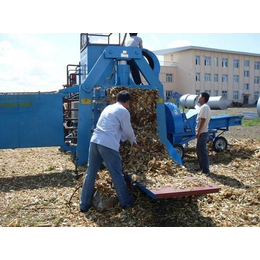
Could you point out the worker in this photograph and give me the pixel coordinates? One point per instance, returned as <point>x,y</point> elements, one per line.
<point>113,126</point>
<point>202,134</point>
<point>135,41</point>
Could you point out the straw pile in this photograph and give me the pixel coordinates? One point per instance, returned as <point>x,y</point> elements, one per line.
<point>152,167</point>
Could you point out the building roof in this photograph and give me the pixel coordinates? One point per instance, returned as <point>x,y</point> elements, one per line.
<point>186,48</point>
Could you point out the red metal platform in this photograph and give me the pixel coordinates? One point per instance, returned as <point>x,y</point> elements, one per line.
<point>168,192</point>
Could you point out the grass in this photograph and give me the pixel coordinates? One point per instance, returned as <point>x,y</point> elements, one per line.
<point>251,122</point>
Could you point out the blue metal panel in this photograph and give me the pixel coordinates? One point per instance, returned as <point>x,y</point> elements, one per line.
<point>174,119</point>
<point>31,120</point>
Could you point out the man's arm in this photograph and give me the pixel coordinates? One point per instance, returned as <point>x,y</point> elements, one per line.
<point>202,122</point>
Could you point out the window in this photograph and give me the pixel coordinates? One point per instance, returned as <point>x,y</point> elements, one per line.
<point>207,61</point>
<point>208,91</point>
<point>235,95</point>
<point>256,81</point>
<point>256,95</point>
<point>246,86</point>
<point>215,93</point>
<point>257,65</point>
<point>236,64</point>
<point>169,93</point>
<point>236,78</point>
<point>169,77</point>
<point>216,62</point>
<point>207,77</point>
<point>215,77</point>
<point>225,94</point>
<point>224,62</point>
<point>224,78</point>
<point>246,63</point>
<point>198,92</point>
<point>246,73</point>
<point>197,60</point>
<point>197,76</point>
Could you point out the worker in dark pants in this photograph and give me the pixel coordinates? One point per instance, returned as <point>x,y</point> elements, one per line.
<point>135,41</point>
<point>113,126</point>
<point>202,134</point>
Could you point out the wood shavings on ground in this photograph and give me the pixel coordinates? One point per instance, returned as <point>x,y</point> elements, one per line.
<point>35,192</point>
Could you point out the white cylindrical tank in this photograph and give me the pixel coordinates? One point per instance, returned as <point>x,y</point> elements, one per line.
<point>258,107</point>
<point>218,103</point>
<point>189,101</point>
<point>183,99</point>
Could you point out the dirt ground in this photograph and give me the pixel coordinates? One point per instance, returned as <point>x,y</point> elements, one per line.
<point>37,189</point>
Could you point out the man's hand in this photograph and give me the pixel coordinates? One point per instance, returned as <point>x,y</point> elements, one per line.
<point>138,146</point>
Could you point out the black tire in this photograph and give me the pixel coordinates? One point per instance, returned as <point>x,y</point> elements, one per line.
<point>220,144</point>
<point>180,150</point>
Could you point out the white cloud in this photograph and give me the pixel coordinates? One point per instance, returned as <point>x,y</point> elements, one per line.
<point>36,67</point>
<point>179,43</point>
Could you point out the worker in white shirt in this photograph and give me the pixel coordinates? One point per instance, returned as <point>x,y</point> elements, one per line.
<point>135,41</point>
<point>113,126</point>
<point>202,134</point>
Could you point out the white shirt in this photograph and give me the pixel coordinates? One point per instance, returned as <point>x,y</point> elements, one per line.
<point>205,112</point>
<point>114,125</point>
<point>135,41</point>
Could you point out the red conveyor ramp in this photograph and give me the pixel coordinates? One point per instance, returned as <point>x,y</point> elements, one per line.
<point>168,192</point>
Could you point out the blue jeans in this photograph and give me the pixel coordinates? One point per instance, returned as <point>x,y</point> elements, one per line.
<point>202,152</point>
<point>112,159</point>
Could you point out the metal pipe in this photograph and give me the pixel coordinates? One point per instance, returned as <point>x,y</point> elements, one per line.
<point>218,103</point>
<point>189,101</point>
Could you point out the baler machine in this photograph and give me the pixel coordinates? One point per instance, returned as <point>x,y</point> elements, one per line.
<point>67,118</point>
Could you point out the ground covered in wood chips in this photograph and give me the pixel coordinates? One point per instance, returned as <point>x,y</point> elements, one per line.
<point>37,189</point>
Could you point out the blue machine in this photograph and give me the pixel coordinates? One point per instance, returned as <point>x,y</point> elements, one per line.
<point>181,128</point>
<point>41,120</point>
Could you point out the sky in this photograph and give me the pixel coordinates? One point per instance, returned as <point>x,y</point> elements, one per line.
<point>31,62</point>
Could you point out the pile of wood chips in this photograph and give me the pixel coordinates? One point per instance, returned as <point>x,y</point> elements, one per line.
<point>152,167</point>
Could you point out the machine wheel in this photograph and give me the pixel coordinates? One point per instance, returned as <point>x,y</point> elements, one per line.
<point>180,150</point>
<point>219,144</point>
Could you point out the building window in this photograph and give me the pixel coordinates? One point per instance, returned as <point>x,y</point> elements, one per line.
<point>225,94</point>
<point>257,65</point>
<point>236,64</point>
<point>215,77</point>
<point>197,76</point>
<point>197,92</point>
<point>236,78</point>
<point>224,78</point>
<point>246,86</point>
<point>207,61</point>
<point>169,93</point>
<point>235,95</point>
<point>207,77</point>
<point>208,91</point>
<point>197,60</point>
<point>256,81</point>
<point>224,63</point>
<point>256,95</point>
<point>169,77</point>
<point>246,63</point>
<point>215,93</point>
<point>246,73</point>
<point>216,61</point>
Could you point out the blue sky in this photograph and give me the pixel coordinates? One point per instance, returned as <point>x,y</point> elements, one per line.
<point>37,62</point>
